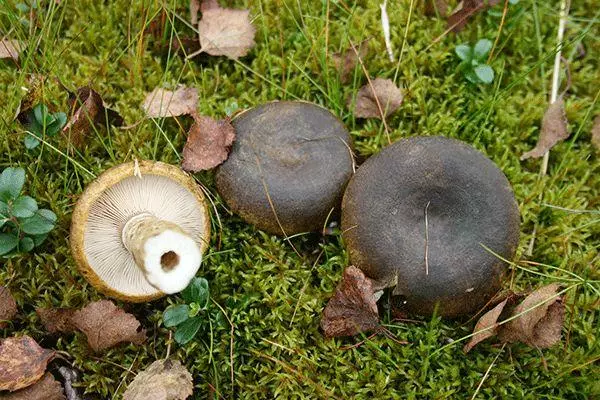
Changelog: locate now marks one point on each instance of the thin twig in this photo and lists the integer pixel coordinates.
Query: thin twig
(426, 240)
(487, 372)
(504, 11)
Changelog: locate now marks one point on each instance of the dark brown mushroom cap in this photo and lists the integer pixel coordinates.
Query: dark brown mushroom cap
(471, 205)
(298, 153)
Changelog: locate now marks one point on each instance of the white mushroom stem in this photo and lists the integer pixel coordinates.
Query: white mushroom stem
(167, 255)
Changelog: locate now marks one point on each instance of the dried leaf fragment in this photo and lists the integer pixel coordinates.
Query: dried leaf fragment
(346, 61)
(596, 133)
(436, 7)
(553, 130)
(163, 103)
(57, 320)
(226, 32)
(353, 307)
(8, 307)
(162, 380)
(106, 325)
(487, 324)
(10, 48)
(379, 98)
(46, 388)
(460, 18)
(22, 362)
(208, 143)
(540, 319)
(88, 109)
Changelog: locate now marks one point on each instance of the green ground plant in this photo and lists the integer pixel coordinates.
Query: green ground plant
(271, 294)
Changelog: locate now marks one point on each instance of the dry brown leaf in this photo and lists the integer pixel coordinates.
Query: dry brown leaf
(46, 388)
(389, 95)
(596, 133)
(226, 32)
(488, 321)
(436, 7)
(459, 18)
(10, 48)
(8, 307)
(162, 103)
(209, 5)
(541, 321)
(57, 320)
(554, 130)
(346, 61)
(22, 362)
(353, 308)
(162, 380)
(106, 325)
(208, 143)
(88, 109)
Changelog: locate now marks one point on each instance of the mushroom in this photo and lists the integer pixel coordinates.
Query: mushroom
(288, 167)
(138, 231)
(424, 216)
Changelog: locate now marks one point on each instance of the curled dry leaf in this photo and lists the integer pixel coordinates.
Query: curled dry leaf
(382, 91)
(57, 320)
(8, 307)
(596, 133)
(162, 380)
(22, 362)
(460, 17)
(208, 143)
(226, 32)
(486, 326)
(353, 307)
(162, 103)
(554, 130)
(106, 325)
(346, 61)
(88, 109)
(10, 48)
(540, 320)
(46, 388)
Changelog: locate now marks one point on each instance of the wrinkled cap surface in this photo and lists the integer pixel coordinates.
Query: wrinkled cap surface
(288, 167)
(471, 205)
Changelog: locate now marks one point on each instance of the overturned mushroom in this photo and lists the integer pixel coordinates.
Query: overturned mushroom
(288, 167)
(138, 232)
(418, 216)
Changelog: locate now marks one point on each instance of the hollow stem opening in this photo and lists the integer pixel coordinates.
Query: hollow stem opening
(169, 260)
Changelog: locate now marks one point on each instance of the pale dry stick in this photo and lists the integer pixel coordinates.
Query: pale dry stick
(128, 372)
(426, 240)
(362, 65)
(385, 26)
(487, 372)
(564, 10)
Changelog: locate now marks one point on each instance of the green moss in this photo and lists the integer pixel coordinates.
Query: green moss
(272, 295)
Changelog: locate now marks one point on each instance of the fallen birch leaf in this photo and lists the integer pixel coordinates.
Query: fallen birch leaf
(88, 109)
(106, 325)
(346, 61)
(10, 48)
(46, 388)
(162, 380)
(541, 321)
(226, 32)
(208, 143)
(22, 362)
(460, 18)
(57, 320)
(8, 307)
(383, 90)
(163, 103)
(353, 307)
(554, 130)
(596, 133)
(489, 322)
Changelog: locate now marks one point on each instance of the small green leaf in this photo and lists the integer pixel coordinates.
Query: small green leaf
(197, 292)
(471, 76)
(40, 112)
(61, 119)
(41, 223)
(175, 315)
(30, 141)
(39, 239)
(485, 73)
(481, 49)
(464, 52)
(26, 244)
(194, 309)
(11, 183)
(3, 209)
(7, 243)
(22, 7)
(187, 330)
(24, 207)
